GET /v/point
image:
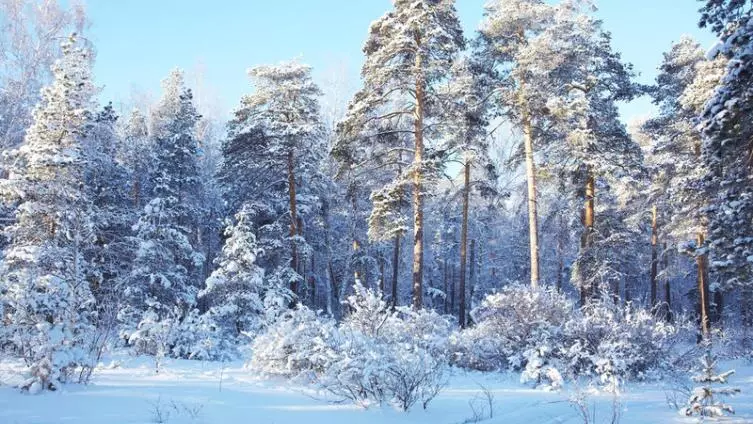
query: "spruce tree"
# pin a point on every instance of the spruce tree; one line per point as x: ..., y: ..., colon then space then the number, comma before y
x: 49, y: 311
x: 166, y: 272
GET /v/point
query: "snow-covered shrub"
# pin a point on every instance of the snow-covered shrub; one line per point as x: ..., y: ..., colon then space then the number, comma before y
x: 384, y: 356
x: 198, y: 337
x: 508, y: 323
x: 375, y: 370
x: 539, y: 370
x: 367, y: 312
x: 300, y: 341
x: 616, y: 342
x: 424, y: 328
x: 704, y: 400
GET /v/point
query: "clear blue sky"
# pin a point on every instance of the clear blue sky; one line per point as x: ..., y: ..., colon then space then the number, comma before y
x: 139, y: 41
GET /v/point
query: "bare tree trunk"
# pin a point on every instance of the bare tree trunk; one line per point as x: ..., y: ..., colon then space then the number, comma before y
x: 654, y: 255
x: 667, y: 288
x: 293, y: 219
x: 472, y: 276
x: 381, y: 274
x: 533, y: 217
x: 418, y: 195
x: 703, y: 301
x: 464, y: 241
x: 395, y: 269
x: 560, y: 253
x: 446, y: 287
x: 452, y: 289
x: 586, y: 240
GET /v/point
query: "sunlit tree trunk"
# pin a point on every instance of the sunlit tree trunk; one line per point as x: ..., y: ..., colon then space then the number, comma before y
x: 418, y: 195
x: 293, y: 219
x: 586, y: 241
x: 464, y: 241
x: 654, y: 256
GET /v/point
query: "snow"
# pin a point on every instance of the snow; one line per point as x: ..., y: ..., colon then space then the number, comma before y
x: 186, y: 392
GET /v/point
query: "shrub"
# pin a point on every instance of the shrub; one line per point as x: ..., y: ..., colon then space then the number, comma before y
x: 616, y: 342
x: 299, y: 342
x: 508, y: 323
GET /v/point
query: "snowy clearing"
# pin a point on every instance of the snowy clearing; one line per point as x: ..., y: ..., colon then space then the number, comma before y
x: 189, y: 392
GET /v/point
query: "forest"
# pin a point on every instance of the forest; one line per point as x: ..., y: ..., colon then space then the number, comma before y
x: 477, y: 208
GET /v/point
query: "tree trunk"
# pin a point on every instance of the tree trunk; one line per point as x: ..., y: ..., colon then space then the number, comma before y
x: 586, y: 241
x: 472, y: 265
x: 446, y: 287
x: 452, y: 289
x: 533, y: 217
x: 654, y: 256
x: 464, y: 241
x: 703, y: 301
x: 381, y: 274
x: 667, y: 287
x: 560, y: 254
x: 418, y: 195
x: 293, y: 219
x: 395, y: 269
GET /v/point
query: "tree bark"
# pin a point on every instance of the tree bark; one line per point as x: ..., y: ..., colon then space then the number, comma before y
x: 381, y: 274
x: 293, y: 219
x: 472, y: 276
x: 418, y: 195
x: 703, y: 301
x: 395, y: 269
x: 654, y: 256
x: 560, y: 253
x: 446, y: 287
x: 586, y: 241
x: 667, y: 287
x: 464, y: 241
x: 533, y: 217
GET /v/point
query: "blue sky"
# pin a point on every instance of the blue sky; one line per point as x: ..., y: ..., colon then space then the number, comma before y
x: 140, y: 41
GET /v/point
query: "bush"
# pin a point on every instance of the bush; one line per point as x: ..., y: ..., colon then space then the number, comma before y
x: 616, y: 342
x: 299, y: 342
x: 542, y: 334
x: 384, y: 356
x: 509, y: 323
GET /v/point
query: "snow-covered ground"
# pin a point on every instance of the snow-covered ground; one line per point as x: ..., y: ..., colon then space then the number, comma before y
x: 193, y: 392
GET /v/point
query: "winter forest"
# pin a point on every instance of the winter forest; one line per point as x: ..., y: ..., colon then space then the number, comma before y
x: 472, y: 234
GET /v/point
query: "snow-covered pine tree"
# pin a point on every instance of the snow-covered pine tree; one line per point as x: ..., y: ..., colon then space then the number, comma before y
x: 513, y: 42
x: 704, y: 400
x: 165, y: 275
x: 271, y: 160
x: 466, y: 144
x: 409, y: 51
x: 594, y: 150
x: 137, y: 152
x: 48, y: 307
x: 726, y: 151
x: 237, y: 296
x: 685, y: 82
x: 113, y: 214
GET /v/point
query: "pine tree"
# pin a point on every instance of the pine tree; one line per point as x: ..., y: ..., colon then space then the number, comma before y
x: 408, y: 52
x: 276, y: 139
x: 726, y: 152
x: 49, y: 311
x: 113, y: 214
x: 704, y: 400
x: 467, y: 139
x: 236, y: 294
x: 165, y: 277
x: 686, y: 81
x: 513, y: 43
